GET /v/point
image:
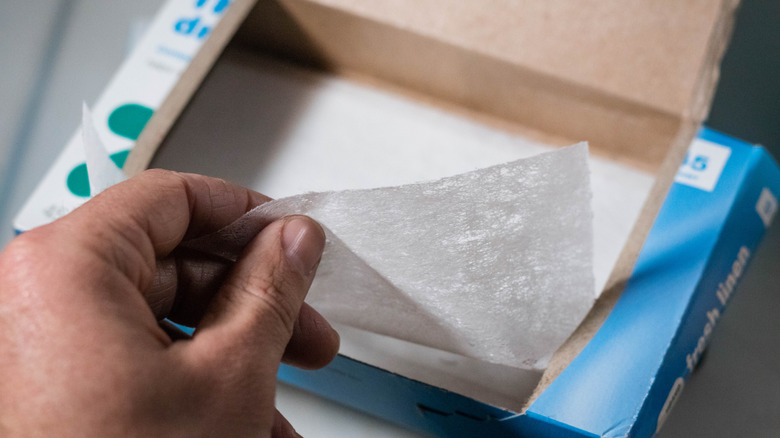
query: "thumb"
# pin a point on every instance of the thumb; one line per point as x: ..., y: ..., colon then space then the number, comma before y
x: 255, y: 310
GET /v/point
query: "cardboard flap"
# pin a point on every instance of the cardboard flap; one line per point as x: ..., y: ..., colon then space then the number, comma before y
x: 622, y: 76
x: 646, y: 52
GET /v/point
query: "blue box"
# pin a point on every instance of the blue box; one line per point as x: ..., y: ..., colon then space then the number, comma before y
x: 626, y: 380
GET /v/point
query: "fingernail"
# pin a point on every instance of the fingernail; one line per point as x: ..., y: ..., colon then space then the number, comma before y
x: 336, y: 338
x: 303, y: 242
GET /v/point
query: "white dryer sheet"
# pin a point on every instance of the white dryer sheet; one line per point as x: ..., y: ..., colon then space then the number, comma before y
x: 494, y: 264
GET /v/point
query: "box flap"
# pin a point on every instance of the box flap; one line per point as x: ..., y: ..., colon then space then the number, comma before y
x: 649, y: 53
x: 624, y: 77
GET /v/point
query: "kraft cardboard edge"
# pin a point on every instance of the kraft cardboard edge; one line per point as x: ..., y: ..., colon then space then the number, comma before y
x: 166, y: 115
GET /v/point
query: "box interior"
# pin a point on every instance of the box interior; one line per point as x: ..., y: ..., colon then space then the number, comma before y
x: 326, y: 95
x: 292, y: 130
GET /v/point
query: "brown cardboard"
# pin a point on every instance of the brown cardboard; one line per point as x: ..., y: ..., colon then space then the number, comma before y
x: 634, y: 80
x: 621, y: 77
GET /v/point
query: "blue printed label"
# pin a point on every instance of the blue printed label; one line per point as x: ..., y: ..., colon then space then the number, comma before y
x: 703, y: 165
x: 766, y: 207
x: 200, y: 22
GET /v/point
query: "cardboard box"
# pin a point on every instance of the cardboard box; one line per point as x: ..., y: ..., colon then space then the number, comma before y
x: 635, y: 82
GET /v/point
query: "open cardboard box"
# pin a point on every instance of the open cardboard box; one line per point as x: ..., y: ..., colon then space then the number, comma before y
x: 634, y: 81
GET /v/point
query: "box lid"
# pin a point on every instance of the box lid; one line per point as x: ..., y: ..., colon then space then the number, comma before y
x: 626, y: 77
x: 649, y: 53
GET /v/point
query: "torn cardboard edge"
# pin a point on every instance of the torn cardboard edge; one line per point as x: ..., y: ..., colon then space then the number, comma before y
x: 677, y: 136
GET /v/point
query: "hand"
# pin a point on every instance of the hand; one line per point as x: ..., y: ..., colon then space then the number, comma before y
x: 81, y: 350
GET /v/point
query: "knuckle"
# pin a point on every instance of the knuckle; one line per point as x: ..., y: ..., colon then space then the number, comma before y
x: 22, y: 261
x: 164, y: 180
x: 157, y: 174
x: 24, y: 250
x: 268, y: 301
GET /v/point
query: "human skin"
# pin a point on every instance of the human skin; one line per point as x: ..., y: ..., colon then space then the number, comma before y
x: 82, y: 351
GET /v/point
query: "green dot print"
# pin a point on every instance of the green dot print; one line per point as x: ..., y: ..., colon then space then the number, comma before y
x: 126, y: 121
x: 78, y: 180
x: 129, y: 120
x: 120, y: 157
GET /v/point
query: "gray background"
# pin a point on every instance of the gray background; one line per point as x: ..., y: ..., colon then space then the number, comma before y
x: 54, y: 54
